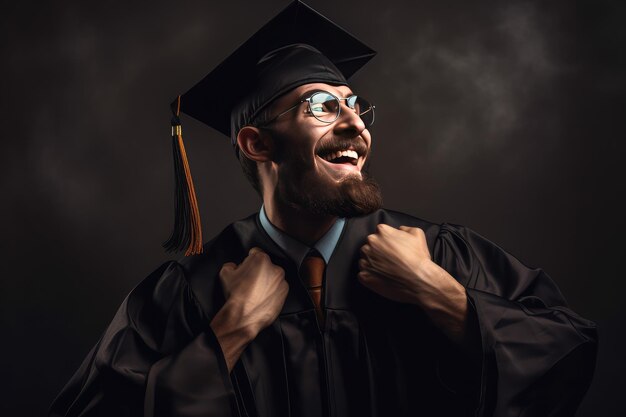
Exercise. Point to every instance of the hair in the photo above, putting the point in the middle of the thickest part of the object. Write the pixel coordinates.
(251, 171)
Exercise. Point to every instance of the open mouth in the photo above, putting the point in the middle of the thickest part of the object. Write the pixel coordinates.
(339, 162)
(349, 156)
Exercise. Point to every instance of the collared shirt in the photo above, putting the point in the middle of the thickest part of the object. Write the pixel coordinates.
(297, 250)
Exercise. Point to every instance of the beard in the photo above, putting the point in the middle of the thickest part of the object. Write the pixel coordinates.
(304, 188)
(351, 197)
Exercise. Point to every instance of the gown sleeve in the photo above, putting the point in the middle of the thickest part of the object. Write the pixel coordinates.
(150, 358)
(535, 356)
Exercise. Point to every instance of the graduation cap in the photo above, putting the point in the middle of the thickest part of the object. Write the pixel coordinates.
(298, 46)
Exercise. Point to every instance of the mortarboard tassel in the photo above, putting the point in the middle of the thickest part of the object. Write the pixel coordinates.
(187, 233)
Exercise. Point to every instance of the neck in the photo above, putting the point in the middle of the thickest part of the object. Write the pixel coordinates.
(300, 224)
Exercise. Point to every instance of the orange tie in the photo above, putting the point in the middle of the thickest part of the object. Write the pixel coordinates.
(312, 274)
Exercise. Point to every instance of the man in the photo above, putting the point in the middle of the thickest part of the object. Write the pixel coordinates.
(324, 304)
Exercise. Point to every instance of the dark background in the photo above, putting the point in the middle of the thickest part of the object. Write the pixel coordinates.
(504, 116)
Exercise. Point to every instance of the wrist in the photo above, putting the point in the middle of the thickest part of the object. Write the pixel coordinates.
(428, 270)
(426, 275)
(229, 322)
(436, 288)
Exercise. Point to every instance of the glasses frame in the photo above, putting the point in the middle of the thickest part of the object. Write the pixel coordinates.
(308, 100)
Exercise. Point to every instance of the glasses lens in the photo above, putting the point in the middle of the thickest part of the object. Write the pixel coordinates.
(363, 108)
(324, 106)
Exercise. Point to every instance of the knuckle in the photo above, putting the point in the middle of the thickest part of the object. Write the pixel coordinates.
(261, 256)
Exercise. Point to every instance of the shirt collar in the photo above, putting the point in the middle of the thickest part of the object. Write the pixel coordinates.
(297, 250)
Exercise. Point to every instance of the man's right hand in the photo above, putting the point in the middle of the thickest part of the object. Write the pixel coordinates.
(256, 289)
(255, 292)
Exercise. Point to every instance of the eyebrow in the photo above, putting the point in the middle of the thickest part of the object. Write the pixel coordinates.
(312, 91)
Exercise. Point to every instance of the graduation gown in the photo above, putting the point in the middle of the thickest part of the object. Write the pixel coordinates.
(532, 355)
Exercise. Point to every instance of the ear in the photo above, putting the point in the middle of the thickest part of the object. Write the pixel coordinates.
(255, 144)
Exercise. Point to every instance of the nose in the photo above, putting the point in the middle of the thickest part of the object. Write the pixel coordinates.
(349, 123)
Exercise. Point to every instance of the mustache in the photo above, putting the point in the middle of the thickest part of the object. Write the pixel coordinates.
(336, 144)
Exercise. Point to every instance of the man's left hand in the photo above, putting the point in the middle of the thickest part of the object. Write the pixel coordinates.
(396, 263)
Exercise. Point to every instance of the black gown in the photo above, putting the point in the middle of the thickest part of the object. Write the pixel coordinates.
(532, 355)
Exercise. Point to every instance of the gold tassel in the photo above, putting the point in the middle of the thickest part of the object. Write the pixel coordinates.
(187, 233)
(195, 246)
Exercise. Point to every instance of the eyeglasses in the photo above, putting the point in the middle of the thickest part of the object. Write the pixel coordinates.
(326, 108)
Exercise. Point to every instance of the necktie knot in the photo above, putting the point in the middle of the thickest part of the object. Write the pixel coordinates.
(312, 269)
(312, 275)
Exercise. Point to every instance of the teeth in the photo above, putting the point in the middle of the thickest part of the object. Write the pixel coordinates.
(348, 153)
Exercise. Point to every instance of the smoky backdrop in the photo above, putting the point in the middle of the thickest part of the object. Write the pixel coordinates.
(505, 116)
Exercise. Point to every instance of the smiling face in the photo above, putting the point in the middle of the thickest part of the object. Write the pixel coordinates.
(319, 166)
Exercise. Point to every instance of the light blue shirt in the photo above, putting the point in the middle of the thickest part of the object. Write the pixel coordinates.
(297, 250)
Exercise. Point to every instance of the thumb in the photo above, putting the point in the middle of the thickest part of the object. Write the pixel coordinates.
(229, 266)
(254, 250)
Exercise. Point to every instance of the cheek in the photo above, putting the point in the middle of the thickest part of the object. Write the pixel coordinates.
(302, 153)
(297, 144)
(368, 139)
(296, 160)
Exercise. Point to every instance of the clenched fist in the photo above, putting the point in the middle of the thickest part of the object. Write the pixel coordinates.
(255, 292)
(392, 262)
(256, 288)
(396, 264)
